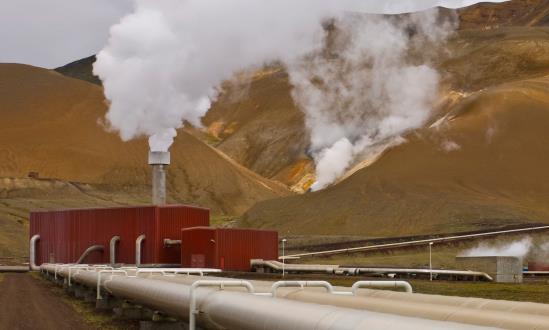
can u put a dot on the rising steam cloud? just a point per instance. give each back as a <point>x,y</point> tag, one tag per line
<point>519,248</point>
<point>538,249</point>
<point>164,63</point>
<point>364,89</point>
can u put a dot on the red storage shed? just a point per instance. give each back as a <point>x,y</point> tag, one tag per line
<point>226,248</point>
<point>66,234</point>
<point>538,266</point>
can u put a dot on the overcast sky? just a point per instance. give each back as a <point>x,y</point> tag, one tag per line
<point>51,33</point>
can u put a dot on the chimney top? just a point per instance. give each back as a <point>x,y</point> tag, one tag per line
<point>159,157</point>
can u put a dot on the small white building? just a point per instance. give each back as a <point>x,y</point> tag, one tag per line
<point>501,269</point>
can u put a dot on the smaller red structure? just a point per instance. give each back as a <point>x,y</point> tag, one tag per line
<point>226,248</point>
<point>536,266</point>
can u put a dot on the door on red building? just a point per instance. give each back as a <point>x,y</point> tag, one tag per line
<point>198,261</point>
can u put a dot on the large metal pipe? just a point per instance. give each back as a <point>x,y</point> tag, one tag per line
<point>32,252</point>
<point>382,284</point>
<point>236,310</point>
<point>474,315</point>
<point>93,248</point>
<point>277,265</point>
<point>158,161</point>
<point>112,249</point>
<point>474,311</point>
<point>138,247</point>
<point>193,311</point>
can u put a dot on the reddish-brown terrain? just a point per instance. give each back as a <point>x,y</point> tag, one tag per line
<point>483,165</point>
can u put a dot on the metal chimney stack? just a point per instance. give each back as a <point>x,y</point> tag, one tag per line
<point>158,161</point>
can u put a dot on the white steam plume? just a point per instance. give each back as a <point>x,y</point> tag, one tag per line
<point>518,248</point>
<point>164,62</point>
<point>365,89</point>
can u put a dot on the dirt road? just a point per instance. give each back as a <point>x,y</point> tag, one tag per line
<point>29,303</point>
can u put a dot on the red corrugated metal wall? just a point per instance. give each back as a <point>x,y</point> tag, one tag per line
<point>170,221</point>
<point>66,234</point>
<point>232,249</point>
<point>197,247</point>
<point>537,266</point>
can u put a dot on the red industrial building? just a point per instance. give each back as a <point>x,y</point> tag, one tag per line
<point>66,234</point>
<point>226,248</point>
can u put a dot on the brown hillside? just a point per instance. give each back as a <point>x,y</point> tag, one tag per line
<point>509,13</point>
<point>256,122</point>
<point>49,124</point>
<point>484,166</point>
<point>259,126</point>
<point>479,59</point>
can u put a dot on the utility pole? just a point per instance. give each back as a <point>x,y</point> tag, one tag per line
<point>431,260</point>
<point>283,257</point>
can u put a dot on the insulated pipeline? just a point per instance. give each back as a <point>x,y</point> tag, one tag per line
<point>474,311</point>
<point>336,269</point>
<point>224,309</point>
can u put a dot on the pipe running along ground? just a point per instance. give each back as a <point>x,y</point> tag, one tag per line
<point>474,311</point>
<point>224,309</point>
<point>336,269</point>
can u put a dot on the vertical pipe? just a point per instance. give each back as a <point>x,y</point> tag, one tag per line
<point>158,161</point>
<point>138,245</point>
<point>32,253</point>
<point>112,249</point>
<point>158,184</point>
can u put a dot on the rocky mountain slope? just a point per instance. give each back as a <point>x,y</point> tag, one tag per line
<point>511,13</point>
<point>51,130</point>
<point>479,163</point>
<point>52,125</point>
<point>482,166</point>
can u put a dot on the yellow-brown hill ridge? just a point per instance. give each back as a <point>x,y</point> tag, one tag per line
<point>509,13</point>
<point>484,166</point>
<point>500,66</point>
<point>50,124</point>
<point>482,169</point>
<point>257,123</point>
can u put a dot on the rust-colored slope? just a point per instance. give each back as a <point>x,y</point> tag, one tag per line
<point>259,126</point>
<point>256,122</point>
<point>479,59</point>
<point>485,166</point>
<point>510,13</point>
<point>50,124</point>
